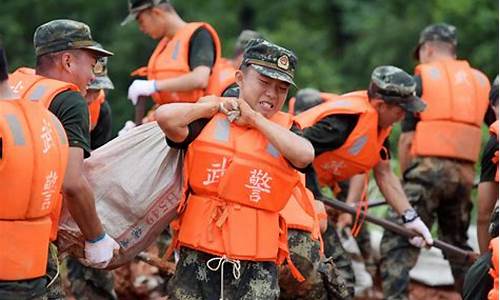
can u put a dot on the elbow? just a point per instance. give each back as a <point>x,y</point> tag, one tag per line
<point>164,117</point>
<point>73,188</point>
<point>202,83</point>
<point>305,159</point>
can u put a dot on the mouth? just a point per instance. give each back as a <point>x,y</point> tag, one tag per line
<point>266,105</point>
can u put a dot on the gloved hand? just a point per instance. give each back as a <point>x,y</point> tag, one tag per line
<point>424,238</point>
<point>141,88</point>
<point>99,253</point>
<point>126,128</point>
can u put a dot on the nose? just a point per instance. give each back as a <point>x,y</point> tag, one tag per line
<point>272,91</point>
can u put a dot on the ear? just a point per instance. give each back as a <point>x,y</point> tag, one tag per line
<point>66,61</point>
<point>239,77</point>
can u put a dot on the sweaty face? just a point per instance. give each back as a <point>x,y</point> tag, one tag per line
<point>82,69</point>
<point>264,94</point>
<point>388,114</point>
<point>148,23</point>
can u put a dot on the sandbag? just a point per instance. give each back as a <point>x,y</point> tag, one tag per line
<point>136,180</point>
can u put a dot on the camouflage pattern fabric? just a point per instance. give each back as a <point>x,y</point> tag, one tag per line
<point>338,255</point>
<point>193,280</point>
<point>59,35</point>
<point>493,228</point>
<point>270,60</point>
<point>435,187</point>
<point>322,279</point>
<point>89,283</point>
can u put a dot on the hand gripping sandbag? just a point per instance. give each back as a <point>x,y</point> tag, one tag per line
<point>136,179</point>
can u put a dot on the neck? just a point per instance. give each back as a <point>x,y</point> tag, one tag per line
<point>440,56</point>
<point>50,73</point>
<point>6,91</point>
<point>174,25</point>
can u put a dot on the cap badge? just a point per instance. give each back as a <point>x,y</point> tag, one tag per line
<point>283,62</point>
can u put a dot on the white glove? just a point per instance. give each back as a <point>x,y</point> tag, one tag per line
<point>141,88</point>
<point>424,238</point>
<point>126,128</point>
<point>99,253</point>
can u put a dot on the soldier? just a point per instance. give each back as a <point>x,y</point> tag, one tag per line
<point>86,282</point>
<point>180,68</point>
<point>239,176</point>
<point>66,55</point>
<point>349,135</point>
<point>438,148</point>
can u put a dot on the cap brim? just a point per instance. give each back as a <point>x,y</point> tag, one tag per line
<point>99,50</point>
<point>101,82</point>
<point>131,17</point>
<point>274,73</point>
<point>413,104</point>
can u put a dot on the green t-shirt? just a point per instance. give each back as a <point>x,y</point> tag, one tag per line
<point>72,111</point>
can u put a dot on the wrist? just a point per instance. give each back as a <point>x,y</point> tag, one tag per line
<point>100,237</point>
<point>255,118</point>
<point>409,215</point>
<point>155,85</point>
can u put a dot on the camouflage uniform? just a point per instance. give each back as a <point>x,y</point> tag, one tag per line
<point>193,279</point>
<point>322,279</point>
<point>435,187</point>
<point>88,283</point>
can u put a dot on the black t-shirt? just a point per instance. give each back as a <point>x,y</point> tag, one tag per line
<point>102,130</point>
<point>328,134</point>
<point>72,111</point>
<point>201,49</point>
<point>488,167</point>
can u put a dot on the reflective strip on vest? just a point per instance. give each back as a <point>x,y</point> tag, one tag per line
<point>176,50</point>
<point>60,130</point>
<point>222,131</point>
<point>16,129</point>
<point>341,103</point>
<point>38,93</point>
<point>435,73</point>
<point>272,151</point>
<point>358,145</point>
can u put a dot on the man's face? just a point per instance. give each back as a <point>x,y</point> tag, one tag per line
<point>149,23</point>
<point>81,69</point>
<point>388,114</point>
<point>264,94</point>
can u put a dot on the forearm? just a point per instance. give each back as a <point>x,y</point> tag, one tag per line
<point>487,196</point>
<point>356,187</point>
<point>297,150</point>
<point>175,118</point>
<point>80,203</point>
<point>390,187</point>
<point>404,150</point>
<point>196,79</point>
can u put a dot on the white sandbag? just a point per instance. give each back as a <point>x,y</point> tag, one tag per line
<point>136,179</point>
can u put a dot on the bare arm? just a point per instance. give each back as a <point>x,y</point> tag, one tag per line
<point>390,186</point>
<point>196,79</point>
<point>79,197</point>
<point>404,146</point>
<point>296,149</point>
<point>356,188</point>
<point>487,197</point>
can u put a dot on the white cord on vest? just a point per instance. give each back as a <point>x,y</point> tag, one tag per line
<point>220,265</point>
<point>55,277</point>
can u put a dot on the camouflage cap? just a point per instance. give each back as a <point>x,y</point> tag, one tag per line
<point>306,99</point>
<point>395,86</point>
<point>101,81</point>
<point>437,32</point>
<point>136,6</point>
<point>270,60</point>
<point>59,35</point>
<point>243,39</point>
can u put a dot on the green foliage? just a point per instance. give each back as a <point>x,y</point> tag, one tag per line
<point>338,42</point>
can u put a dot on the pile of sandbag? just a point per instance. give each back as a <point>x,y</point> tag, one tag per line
<point>137,180</point>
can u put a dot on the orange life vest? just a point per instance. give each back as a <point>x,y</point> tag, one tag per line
<point>95,109</point>
<point>493,294</point>
<point>32,170</point>
<point>238,182</point>
<point>360,152</point>
<point>324,96</point>
<point>223,76</point>
<point>494,131</point>
<point>27,85</point>
<point>300,211</point>
<point>457,99</point>
<point>170,59</point>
